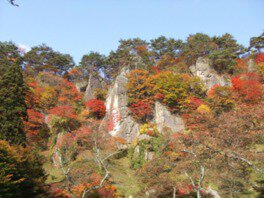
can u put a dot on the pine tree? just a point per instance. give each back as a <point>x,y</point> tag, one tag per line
<point>12,95</point>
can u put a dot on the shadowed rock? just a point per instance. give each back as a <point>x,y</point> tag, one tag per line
<point>209,76</point>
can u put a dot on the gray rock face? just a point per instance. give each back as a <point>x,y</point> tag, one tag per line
<point>93,84</point>
<point>118,120</point>
<point>165,120</point>
<point>209,76</point>
<point>212,193</point>
<point>251,66</point>
<point>81,86</point>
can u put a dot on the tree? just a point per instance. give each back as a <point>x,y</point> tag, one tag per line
<point>141,111</point>
<point>139,88</point>
<point>93,63</point>
<point>163,46</point>
<point>131,53</point>
<point>226,53</point>
<point>21,173</point>
<point>37,131</point>
<point>220,99</point>
<point>257,43</point>
<point>96,108</point>
<point>248,88</point>
<point>198,45</point>
<point>44,58</point>
<point>13,110</point>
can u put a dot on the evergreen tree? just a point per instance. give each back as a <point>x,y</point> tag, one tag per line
<point>12,95</point>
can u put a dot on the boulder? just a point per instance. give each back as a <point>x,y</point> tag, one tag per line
<point>209,76</point>
<point>165,120</point>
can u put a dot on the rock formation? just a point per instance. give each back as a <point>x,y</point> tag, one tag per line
<point>117,119</point>
<point>93,84</point>
<point>209,76</point>
<point>167,121</point>
<point>81,86</point>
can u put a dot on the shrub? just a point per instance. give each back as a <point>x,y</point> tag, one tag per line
<point>141,111</point>
<point>96,107</point>
<point>149,129</point>
<point>220,98</point>
<point>248,87</point>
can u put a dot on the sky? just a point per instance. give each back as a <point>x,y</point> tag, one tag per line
<point>80,26</point>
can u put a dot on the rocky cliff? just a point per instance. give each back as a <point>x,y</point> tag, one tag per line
<point>117,119</point>
<point>209,76</point>
<point>166,121</point>
<point>120,123</point>
<point>94,83</point>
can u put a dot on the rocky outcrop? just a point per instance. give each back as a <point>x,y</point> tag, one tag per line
<point>117,119</point>
<point>251,66</point>
<point>81,86</point>
<point>167,121</point>
<point>209,76</point>
<point>94,83</point>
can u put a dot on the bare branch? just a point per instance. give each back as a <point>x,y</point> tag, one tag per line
<point>13,3</point>
<point>247,162</point>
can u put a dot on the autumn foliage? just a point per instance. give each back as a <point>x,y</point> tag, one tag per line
<point>248,87</point>
<point>141,110</point>
<point>96,107</point>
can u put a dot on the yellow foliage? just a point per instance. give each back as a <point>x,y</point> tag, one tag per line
<point>48,97</point>
<point>204,109</point>
<point>149,129</point>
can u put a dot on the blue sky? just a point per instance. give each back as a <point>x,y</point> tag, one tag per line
<point>80,26</point>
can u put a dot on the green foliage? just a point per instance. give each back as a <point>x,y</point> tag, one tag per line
<point>198,45</point>
<point>21,173</point>
<point>44,58</point>
<point>12,95</point>
<point>225,55</point>
<point>171,89</point>
<point>92,63</point>
<point>176,88</point>
<point>165,46</point>
<point>137,153</point>
<point>257,42</point>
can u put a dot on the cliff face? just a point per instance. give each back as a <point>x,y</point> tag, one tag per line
<point>166,121</point>
<point>93,84</point>
<point>117,119</point>
<point>209,76</point>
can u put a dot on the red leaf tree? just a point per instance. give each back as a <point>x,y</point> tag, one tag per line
<point>248,87</point>
<point>96,107</point>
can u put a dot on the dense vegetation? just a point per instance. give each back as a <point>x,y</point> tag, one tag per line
<point>52,143</point>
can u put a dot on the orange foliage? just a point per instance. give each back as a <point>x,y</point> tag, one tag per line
<point>248,87</point>
<point>260,58</point>
<point>96,107</point>
<point>63,111</point>
<point>141,110</point>
<point>34,125</point>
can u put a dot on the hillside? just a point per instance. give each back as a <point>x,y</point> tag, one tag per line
<point>158,118</point>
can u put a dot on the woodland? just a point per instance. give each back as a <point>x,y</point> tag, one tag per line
<point>55,143</point>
